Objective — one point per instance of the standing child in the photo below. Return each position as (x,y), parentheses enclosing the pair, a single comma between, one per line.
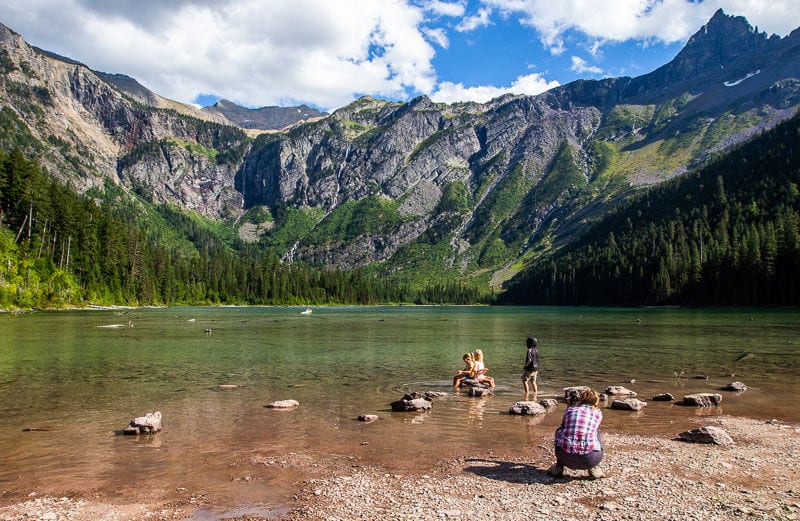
(530,371)
(467,372)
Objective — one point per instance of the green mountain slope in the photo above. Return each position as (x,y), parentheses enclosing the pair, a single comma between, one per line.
(728,233)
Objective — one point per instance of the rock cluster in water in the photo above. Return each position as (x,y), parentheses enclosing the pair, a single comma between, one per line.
(150,423)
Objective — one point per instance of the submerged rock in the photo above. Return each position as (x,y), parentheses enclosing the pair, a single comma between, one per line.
(283,404)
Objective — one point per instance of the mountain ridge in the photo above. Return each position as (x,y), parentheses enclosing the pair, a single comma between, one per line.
(446,191)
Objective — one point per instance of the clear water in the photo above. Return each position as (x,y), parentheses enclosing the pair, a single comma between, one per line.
(82,382)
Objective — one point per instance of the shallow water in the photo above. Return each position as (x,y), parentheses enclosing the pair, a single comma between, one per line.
(82,381)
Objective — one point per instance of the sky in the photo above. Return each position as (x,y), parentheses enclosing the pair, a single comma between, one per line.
(327,53)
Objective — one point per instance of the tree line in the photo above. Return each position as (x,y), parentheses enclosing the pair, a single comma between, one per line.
(59,248)
(726,234)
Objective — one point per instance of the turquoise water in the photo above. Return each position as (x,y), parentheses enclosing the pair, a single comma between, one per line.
(82,381)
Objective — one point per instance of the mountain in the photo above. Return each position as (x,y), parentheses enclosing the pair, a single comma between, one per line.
(416,191)
(264,118)
(727,233)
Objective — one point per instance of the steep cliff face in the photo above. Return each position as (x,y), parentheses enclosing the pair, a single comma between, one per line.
(442,189)
(87,132)
(534,168)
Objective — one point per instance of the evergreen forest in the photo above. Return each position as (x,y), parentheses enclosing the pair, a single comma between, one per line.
(726,234)
(61,249)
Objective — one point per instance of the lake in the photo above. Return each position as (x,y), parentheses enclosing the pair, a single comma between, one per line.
(81,376)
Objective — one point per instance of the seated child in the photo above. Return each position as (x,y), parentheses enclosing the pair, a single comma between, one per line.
(481,370)
(467,373)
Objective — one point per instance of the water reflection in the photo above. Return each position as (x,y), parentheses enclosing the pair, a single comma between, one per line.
(85,382)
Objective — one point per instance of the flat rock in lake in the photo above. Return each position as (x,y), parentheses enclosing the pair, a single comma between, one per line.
(283,404)
(574,393)
(735,386)
(150,423)
(628,404)
(411,402)
(618,390)
(663,397)
(528,408)
(702,399)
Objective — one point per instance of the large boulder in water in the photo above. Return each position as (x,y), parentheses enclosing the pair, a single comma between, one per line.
(702,399)
(412,402)
(573,394)
(150,423)
(738,387)
(629,404)
(528,408)
(618,390)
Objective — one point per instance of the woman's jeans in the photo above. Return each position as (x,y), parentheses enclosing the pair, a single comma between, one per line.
(579,461)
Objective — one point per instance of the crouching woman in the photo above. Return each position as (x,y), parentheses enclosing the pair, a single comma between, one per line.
(577,441)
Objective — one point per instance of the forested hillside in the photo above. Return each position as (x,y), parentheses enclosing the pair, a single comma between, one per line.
(58,248)
(727,234)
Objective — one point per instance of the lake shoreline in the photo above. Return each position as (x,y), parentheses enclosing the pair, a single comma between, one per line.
(648,477)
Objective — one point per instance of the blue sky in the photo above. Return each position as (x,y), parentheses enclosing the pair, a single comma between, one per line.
(326,53)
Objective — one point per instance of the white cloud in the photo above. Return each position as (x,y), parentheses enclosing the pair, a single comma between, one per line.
(470,23)
(580,66)
(325,52)
(449,92)
(437,7)
(252,52)
(667,21)
(437,36)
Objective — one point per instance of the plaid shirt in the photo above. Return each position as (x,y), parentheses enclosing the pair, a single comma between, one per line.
(578,431)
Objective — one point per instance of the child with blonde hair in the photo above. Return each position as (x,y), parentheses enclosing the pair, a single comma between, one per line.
(481,370)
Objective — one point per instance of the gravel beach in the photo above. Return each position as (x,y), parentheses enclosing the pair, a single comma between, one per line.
(647,478)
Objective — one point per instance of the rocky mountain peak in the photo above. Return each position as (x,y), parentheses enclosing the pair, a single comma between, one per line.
(722,40)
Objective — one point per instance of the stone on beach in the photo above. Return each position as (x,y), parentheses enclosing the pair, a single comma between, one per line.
(283,404)
(367,417)
(702,399)
(708,434)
